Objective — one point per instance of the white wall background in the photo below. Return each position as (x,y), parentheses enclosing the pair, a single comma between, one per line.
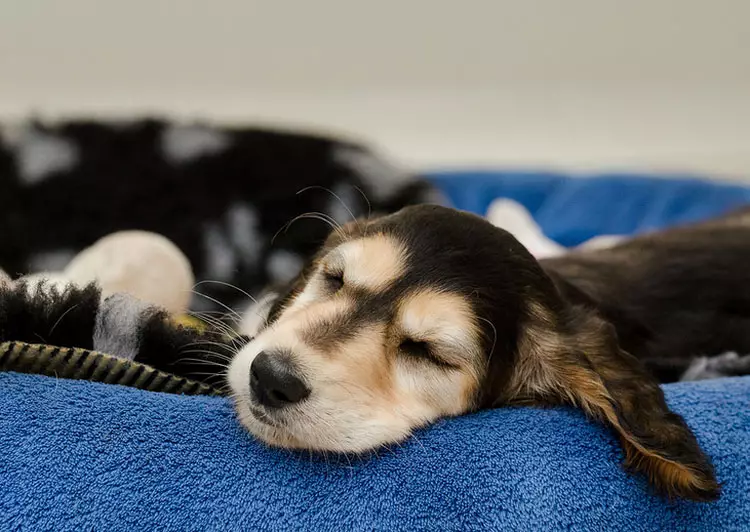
(576,84)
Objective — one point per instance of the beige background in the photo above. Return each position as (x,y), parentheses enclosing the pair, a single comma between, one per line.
(577,84)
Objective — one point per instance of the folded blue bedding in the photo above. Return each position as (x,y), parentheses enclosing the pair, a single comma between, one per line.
(84,456)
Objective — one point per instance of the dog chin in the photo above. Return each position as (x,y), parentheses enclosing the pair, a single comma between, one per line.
(277,434)
(267,431)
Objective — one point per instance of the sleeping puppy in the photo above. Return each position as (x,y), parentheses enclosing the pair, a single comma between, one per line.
(432,312)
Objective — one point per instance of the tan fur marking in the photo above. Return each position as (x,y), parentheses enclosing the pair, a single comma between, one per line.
(372,262)
(365,390)
(671,476)
(446,321)
(439,316)
(674,478)
(537,370)
(295,317)
(362,361)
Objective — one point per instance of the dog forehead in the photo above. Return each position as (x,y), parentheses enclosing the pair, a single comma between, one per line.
(371,262)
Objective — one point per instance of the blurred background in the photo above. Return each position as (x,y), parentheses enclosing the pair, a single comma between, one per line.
(582,85)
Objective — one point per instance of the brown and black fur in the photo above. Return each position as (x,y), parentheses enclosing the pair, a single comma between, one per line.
(671,295)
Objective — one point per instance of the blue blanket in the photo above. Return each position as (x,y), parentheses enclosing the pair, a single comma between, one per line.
(85,456)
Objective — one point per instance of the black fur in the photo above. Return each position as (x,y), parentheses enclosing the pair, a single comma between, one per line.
(62,318)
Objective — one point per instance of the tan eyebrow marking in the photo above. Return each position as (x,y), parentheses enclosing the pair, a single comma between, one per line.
(443,317)
(372,262)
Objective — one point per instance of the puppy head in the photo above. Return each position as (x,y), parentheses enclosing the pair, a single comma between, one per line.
(431,312)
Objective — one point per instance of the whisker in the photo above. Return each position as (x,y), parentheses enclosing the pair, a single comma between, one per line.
(314,215)
(224,360)
(209,357)
(218,323)
(205,363)
(231,310)
(222,333)
(60,318)
(224,390)
(232,339)
(364,196)
(204,352)
(332,193)
(222,366)
(419,442)
(323,217)
(369,208)
(205,374)
(229,285)
(494,341)
(206,342)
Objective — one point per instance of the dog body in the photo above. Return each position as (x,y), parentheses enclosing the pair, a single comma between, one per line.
(431,312)
(672,296)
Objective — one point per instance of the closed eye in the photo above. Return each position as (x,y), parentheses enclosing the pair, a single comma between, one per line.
(422,350)
(415,348)
(334,281)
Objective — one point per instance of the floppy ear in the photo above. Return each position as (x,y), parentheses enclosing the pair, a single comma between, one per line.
(579,362)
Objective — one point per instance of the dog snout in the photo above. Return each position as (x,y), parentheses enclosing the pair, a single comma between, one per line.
(274,380)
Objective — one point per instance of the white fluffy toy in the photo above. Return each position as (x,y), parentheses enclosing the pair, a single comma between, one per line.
(143,264)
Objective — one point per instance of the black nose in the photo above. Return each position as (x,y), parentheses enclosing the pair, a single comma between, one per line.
(273,380)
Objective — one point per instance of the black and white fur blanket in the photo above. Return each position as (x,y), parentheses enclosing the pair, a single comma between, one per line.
(220,194)
(121,326)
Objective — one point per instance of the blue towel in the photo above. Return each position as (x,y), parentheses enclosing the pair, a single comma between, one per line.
(83,456)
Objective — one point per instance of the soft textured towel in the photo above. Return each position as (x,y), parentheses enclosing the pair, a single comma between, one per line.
(86,456)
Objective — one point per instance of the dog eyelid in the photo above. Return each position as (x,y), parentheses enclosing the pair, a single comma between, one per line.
(334,279)
(423,350)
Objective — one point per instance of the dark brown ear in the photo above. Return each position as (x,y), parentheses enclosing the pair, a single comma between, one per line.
(579,362)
